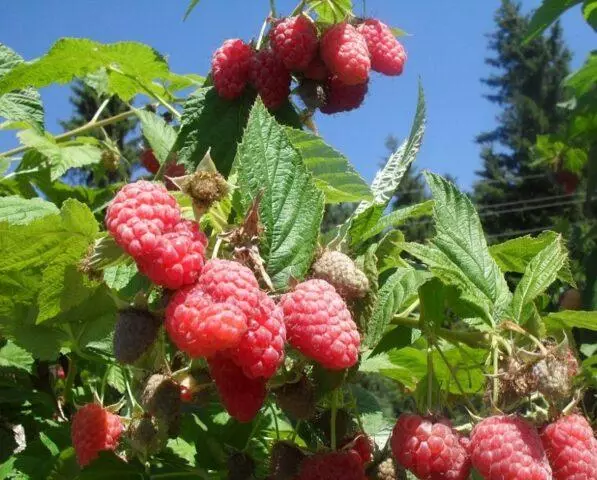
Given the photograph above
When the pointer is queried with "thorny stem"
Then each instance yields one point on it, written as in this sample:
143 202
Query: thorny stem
472 339
100 110
271 406
76 131
453 374
104 381
429 377
496 365
70 380
272 7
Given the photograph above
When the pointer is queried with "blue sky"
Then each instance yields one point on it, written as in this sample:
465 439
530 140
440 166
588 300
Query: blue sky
446 49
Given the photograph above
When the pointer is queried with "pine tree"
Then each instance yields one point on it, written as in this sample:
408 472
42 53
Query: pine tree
526 83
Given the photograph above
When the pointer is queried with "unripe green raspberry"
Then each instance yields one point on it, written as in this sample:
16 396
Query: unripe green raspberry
340 271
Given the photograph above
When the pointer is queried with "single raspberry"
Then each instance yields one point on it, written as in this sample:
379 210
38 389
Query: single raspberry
361 444
135 331
205 188
571 448
242 396
200 326
285 461
316 70
429 449
341 97
335 465
571 299
110 159
161 398
240 466
261 349
149 160
270 78
230 68
387 53
320 326
551 378
225 280
294 39
508 448
94 429
177 258
139 214
344 51
297 399
339 270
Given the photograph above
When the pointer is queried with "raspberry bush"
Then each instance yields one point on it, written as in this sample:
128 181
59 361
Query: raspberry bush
197 323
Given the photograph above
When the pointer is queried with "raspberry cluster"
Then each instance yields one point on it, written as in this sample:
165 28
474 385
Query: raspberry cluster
145 221
339 61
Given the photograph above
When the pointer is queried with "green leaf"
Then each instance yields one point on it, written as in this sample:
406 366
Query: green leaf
546 14
388 251
331 11
458 255
589 11
291 208
159 134
399 217
515 255
539 274
211 123
567 319
370 411
20 211
22 106
61 157
333 173
399 290
388 179
130 66
13 356
583 80
190 8
110 465
363 222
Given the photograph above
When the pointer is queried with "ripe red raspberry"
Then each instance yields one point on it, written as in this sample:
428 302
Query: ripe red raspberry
242 396
361 444
270 78
139 214
343 98
230 68
261 349
571 448
177 258
316 70
387 53
294 39
508 448
149 161
93 430
225 280
345 465
345 52
320 326
431 450
201 327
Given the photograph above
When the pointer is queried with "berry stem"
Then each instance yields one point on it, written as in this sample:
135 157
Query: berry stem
271 406
472 339
256 424
261 34
104 381
334 411
70 380
296 430
495 352
272 7
429 377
